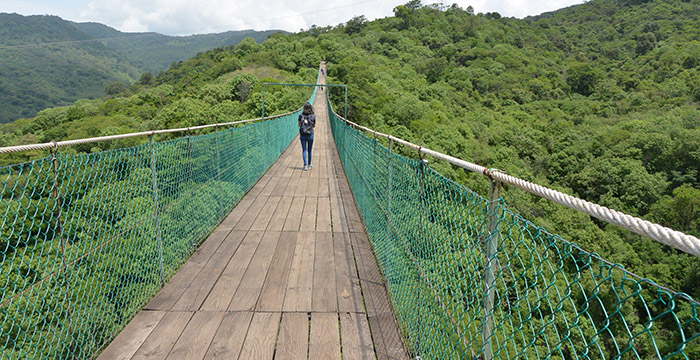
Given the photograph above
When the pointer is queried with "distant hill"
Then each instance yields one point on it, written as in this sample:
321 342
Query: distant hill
66 68
46 61
153 52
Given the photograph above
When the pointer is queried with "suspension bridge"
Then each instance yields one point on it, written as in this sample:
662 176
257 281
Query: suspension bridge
221 246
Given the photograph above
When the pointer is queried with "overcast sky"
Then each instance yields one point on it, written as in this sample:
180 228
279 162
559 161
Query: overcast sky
185 17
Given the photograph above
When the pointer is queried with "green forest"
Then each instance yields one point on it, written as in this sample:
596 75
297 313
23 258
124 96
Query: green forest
48 61
600 100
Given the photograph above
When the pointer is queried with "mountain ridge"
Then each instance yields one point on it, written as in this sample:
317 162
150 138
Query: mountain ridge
48 61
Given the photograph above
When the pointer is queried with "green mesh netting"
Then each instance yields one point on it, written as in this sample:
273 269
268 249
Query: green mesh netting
88 240
552 300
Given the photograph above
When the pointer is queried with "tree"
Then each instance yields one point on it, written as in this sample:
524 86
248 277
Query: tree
414 5
404 13
645 43
116 88
680 212
582 78
355 25
146 79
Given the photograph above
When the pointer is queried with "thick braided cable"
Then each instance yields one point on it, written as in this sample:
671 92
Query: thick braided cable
54 144
676 239
664 235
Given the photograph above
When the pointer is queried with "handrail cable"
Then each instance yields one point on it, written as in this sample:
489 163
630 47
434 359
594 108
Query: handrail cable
55 144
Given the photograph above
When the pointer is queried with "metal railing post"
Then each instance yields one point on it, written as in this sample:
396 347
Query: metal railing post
390 189
491 252
421 242
63 242
246 164
156 210
346 102
218 170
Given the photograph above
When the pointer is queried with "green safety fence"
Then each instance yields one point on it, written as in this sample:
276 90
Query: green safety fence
87 240
446 253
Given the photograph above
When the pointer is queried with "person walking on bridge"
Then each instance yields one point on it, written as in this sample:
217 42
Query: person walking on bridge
307 123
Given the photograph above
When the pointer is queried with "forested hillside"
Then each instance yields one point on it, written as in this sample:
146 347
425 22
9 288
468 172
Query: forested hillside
598 100
153 52
47 61
33 78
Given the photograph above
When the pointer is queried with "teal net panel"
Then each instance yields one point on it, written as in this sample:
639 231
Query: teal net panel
87 240
551 299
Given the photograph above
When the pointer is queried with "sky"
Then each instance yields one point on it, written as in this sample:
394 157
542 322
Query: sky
186 17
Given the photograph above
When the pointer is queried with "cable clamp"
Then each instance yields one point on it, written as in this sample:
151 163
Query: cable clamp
489 172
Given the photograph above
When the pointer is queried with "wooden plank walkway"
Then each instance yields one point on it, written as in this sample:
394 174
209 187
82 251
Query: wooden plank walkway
289 274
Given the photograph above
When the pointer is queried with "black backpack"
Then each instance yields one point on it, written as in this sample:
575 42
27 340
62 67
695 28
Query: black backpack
307 126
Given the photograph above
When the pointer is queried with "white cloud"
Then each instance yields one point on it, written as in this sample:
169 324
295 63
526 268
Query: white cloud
184 17
518 8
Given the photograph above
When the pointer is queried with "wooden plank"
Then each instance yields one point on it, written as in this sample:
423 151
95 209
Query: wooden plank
323 214
293 187
308 216
293 220
251 214
385 333
229 338
280 189
251 285
266 213
199 333
296 163
387 341
354 221
293 340
220 296
324 342
171 292
232 219
272 295
280 215
302 184
198 290
288 161
356 337
260 341
300 284
312 184
323 189
338 220
324 288
270 186
259 186
323 165
164 336
130 339
366 262
333 190
347 282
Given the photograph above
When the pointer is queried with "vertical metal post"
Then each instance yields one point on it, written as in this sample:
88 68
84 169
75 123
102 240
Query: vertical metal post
491 250
156 209
218 170
390 188
63 242
346 102
263 106
246 130
421 181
